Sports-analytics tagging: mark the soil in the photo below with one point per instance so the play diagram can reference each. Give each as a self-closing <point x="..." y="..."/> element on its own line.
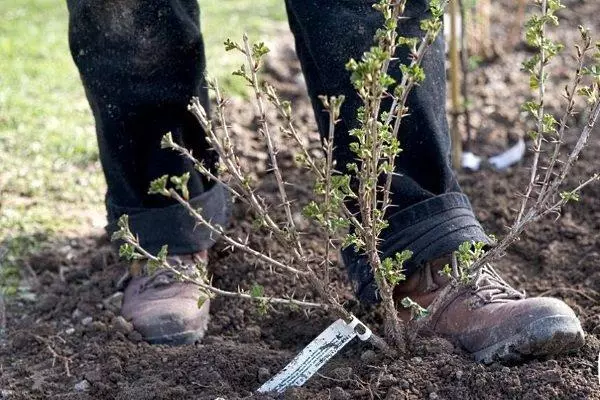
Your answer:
<point x="66" y="341"/>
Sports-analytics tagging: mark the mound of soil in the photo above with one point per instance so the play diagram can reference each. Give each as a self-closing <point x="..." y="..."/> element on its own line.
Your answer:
<point x="69" y="342"/>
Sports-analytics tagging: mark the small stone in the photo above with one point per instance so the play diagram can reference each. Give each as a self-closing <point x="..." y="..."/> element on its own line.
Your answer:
<point x="439" y="346"/>
<point x="416" y="360"/>
<point x="552" y="376"/>
<point x="135" y="336"/>
<point x="70" y="331"/>
<point x="293" y="393"/>
<point x="404" y="384"/>
<point x="337" y="393"/>
<point x="48" y="302"/>
<point x="122" y="325"/>
<point x="368" y="356"/>
<point x="114" y="302"/>
<point x="115" y="377"/>
<point x="459" y="374"/>
<point x="263" y="374"/>
<point x="77" y="314"/>
<point x="251" y="334"/>
<point x="99" y="326"/>
<point x="505" y="370"/>
<point x="446" y="370"/>
<point x="430" y="387"/>
<point x="114" y="364"/>
<point x="433" y="396"/>
<point x="82" y="386"/>
<point x="387" y="379"/>
<point x="94" y="376"/>
<point x="87" y="321"/>
<point x="300" y="221"/>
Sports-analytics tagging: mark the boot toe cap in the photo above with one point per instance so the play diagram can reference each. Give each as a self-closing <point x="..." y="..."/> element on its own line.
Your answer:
<point x="533" y="326"/>
<point x="174" y="320"/>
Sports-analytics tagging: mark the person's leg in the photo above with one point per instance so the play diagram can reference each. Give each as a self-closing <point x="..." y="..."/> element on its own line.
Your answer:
<point x="140" y="63"/>
<point x="431" y="216"/>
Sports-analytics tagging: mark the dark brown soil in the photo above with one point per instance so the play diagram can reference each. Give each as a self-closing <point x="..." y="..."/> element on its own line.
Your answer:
<point x="73" y="323"/>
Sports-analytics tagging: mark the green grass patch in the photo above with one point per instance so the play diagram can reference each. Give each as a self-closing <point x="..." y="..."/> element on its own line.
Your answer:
<point x="231" y="19"/>
<point x="50" y="175"/>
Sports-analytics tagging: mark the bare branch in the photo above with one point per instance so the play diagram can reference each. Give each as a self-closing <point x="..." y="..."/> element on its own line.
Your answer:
<point x="569" y="111"/>
<point x="212" y="289"/>
<point x="265" y="129"/>
<point x="228" y="239"/>
<point x="537" y="145"/>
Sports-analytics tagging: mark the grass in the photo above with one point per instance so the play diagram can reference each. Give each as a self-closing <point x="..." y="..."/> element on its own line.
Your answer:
<point x="230" y="19"/>
<point x="50" y="177"/>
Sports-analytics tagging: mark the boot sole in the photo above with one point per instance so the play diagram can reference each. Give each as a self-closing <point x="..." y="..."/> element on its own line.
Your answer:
<point x="186" y="337"/>
<point x="178" y="339"/>
<point x="548" y="335"/>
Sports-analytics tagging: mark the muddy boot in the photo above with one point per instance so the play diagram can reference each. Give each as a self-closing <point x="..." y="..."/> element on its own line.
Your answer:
<point x="164" y="309"/>
<point x="493" y="320"/>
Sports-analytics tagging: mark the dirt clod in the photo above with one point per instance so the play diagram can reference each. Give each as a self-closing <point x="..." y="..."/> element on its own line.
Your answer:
<point x="337" y="393"/>
<point x="122" y="325"/>
<point x="368" y="356"/>
<point x="263" y="374"/>
<point x="82" y="386"/>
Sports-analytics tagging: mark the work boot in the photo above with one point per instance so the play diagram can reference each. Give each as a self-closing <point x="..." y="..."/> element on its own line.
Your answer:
<point x="492" y="320"/>
<point x="164" y="309"/>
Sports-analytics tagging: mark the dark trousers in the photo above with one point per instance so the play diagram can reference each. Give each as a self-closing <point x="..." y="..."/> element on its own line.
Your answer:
<point x="142" y="61"/>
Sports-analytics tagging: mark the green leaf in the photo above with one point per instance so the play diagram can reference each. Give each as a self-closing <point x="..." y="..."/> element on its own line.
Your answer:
<point x="257" y="291"/>
<point x="416" y="311"/>
<point x="231" y="45"/>
<point x="531" y="107"/>
<point x="127" y="252"/>
<point x="162" y="254"/>
<point x="159" y="186"/>
<point x="570" y="196"/>
<point x="123" y="221"/>
<point x="259" y="49"/>
<point x="181" y="184"/>
<point x="167" y="141"/>
<point x="202" y="299"/>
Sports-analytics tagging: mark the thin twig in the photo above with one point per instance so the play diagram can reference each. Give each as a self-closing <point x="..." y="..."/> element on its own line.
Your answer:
<point x="210" y="288"/>
<point x="55" y="355"/>
<point x="570" y="98"/>
<point x="265" y="129"/>
<point x="231" y="241"/>
<point x="328" y="171"/>
<point x="224" y="149"/>
<point x="537" y="143"/>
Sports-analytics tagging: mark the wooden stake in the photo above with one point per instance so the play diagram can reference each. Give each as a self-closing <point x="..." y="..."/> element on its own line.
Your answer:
<point x="454" y="86"/>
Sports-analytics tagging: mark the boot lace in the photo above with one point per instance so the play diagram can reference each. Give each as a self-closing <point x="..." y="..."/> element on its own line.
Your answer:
<point x="491" y="288"/>
<point x="164" y="277"/>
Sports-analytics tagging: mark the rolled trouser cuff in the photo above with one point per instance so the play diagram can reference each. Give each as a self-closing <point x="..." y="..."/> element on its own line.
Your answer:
<point x="430" y="229"/>
<point x="173" y="225"/>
